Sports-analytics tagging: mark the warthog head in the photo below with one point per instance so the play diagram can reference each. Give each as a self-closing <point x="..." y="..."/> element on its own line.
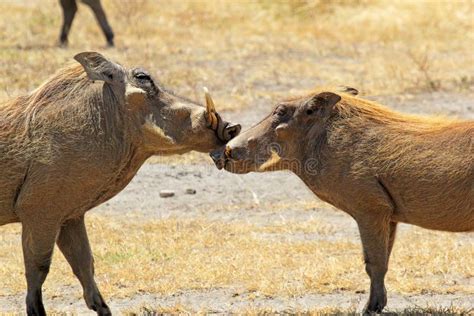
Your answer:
<point x="163" y="122"/>
<point x="280" y="140"/>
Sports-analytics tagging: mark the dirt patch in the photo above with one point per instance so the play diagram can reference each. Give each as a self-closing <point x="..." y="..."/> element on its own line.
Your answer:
<point x="234" y="300"/>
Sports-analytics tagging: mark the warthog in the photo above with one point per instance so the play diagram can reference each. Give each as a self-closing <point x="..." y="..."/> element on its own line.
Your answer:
<point x="69" y="11"/>
<point x="379" y="166"/>
<point x="77" y="141"/>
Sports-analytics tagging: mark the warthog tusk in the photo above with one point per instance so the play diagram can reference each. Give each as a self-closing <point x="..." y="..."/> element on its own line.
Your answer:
<point x="210" y="110"/>
<point x="273" y="160"/>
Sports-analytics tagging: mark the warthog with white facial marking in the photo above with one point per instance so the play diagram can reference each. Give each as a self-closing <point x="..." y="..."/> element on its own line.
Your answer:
<point x="379" y="166"/>
<point x="77" y="141"/>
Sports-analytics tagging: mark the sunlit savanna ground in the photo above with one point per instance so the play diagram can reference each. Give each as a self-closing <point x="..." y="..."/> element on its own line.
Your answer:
<point x="170" y="256"/>
<point x="250" y="54"/>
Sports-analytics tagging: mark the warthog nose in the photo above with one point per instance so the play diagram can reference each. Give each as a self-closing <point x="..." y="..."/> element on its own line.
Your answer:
<point x="218" y="158"/>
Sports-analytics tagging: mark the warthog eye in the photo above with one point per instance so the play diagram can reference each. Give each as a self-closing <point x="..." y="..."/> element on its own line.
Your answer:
<point x="142" y="76"/>
<point x="280" y="111"/>
<point x="309" y="111"/>
<point x="110" y="76"/>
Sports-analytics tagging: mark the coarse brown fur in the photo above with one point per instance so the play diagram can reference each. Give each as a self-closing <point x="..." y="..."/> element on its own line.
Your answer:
<point x="379" y="166"/>
<point x="77" y="141"/>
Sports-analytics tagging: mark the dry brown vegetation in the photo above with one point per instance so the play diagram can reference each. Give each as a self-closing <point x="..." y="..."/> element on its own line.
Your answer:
<point x="250" y="53"/>
<point x="168" y="256"/>
<point x="247" y="51"/>
<point x="253" y="52"/>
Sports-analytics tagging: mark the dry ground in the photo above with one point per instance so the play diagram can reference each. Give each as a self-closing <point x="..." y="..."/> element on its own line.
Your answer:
<point x="254" y="243"/>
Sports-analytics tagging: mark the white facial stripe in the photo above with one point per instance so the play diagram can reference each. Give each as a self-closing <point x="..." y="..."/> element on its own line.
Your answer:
<point x="134" y="96"/>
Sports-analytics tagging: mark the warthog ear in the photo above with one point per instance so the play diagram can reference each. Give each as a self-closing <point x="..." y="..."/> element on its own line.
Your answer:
<point x="348" y="90"/>
<point x="98" y="67"/>
<point x="324" y="101"/>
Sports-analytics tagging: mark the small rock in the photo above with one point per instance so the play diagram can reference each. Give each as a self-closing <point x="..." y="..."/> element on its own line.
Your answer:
<point x="166" y="193"/>
<point x="190" y="191"/>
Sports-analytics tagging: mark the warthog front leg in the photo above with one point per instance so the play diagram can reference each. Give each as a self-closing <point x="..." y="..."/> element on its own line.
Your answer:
<point x="74" y="244"/>
<point x="38" y="243"/>
<point x="99" y="13"/>
<point x="69" y="11"/>
<point x="377" y="235"/>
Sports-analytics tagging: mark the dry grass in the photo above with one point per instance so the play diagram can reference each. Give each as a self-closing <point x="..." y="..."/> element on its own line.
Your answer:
<point x="249" y="52"/>
<point x="253" y="52"/>
<point x="169" y="256"/>
<point x="180" y="309"/>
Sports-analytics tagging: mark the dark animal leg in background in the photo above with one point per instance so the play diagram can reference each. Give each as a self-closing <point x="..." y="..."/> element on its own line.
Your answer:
<point x="74" y="244"/>
<point x="99" y="13"/>
<point x="69" y="11"/>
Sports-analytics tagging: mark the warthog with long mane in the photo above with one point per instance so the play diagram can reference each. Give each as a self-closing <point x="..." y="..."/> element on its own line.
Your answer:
<point x="77" y="141"/>
<point x="379" y="166"/>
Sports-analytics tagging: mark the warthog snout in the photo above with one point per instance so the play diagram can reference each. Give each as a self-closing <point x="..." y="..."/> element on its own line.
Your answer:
<point x="235" y="156"/>
<point x="221" y="156"/>
<point x="218" y="158"/>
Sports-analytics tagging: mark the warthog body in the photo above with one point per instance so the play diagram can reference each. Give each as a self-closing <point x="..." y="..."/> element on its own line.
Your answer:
<point x="75" y="142"/>
<point x="379" y="166"/>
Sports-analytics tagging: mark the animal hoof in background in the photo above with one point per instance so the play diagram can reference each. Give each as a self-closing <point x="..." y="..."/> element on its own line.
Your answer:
<point x="190" y="191"/>
<point x="166" y="193"/>
<point x="63" y="44"/>
<point x="373" y="308"/>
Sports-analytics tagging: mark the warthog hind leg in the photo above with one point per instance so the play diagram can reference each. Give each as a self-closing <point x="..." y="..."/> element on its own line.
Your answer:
<point x="74" y="244"/>
<point x="391" y="239"/>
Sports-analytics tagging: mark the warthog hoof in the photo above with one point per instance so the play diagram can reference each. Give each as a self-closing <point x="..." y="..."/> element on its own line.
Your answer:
<point x="98" y="305"/>
<point x="34" y="304"/>
<point x="36" y="310"/>
<point x="375" y="305"/>
<point x="102" y="310"/>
